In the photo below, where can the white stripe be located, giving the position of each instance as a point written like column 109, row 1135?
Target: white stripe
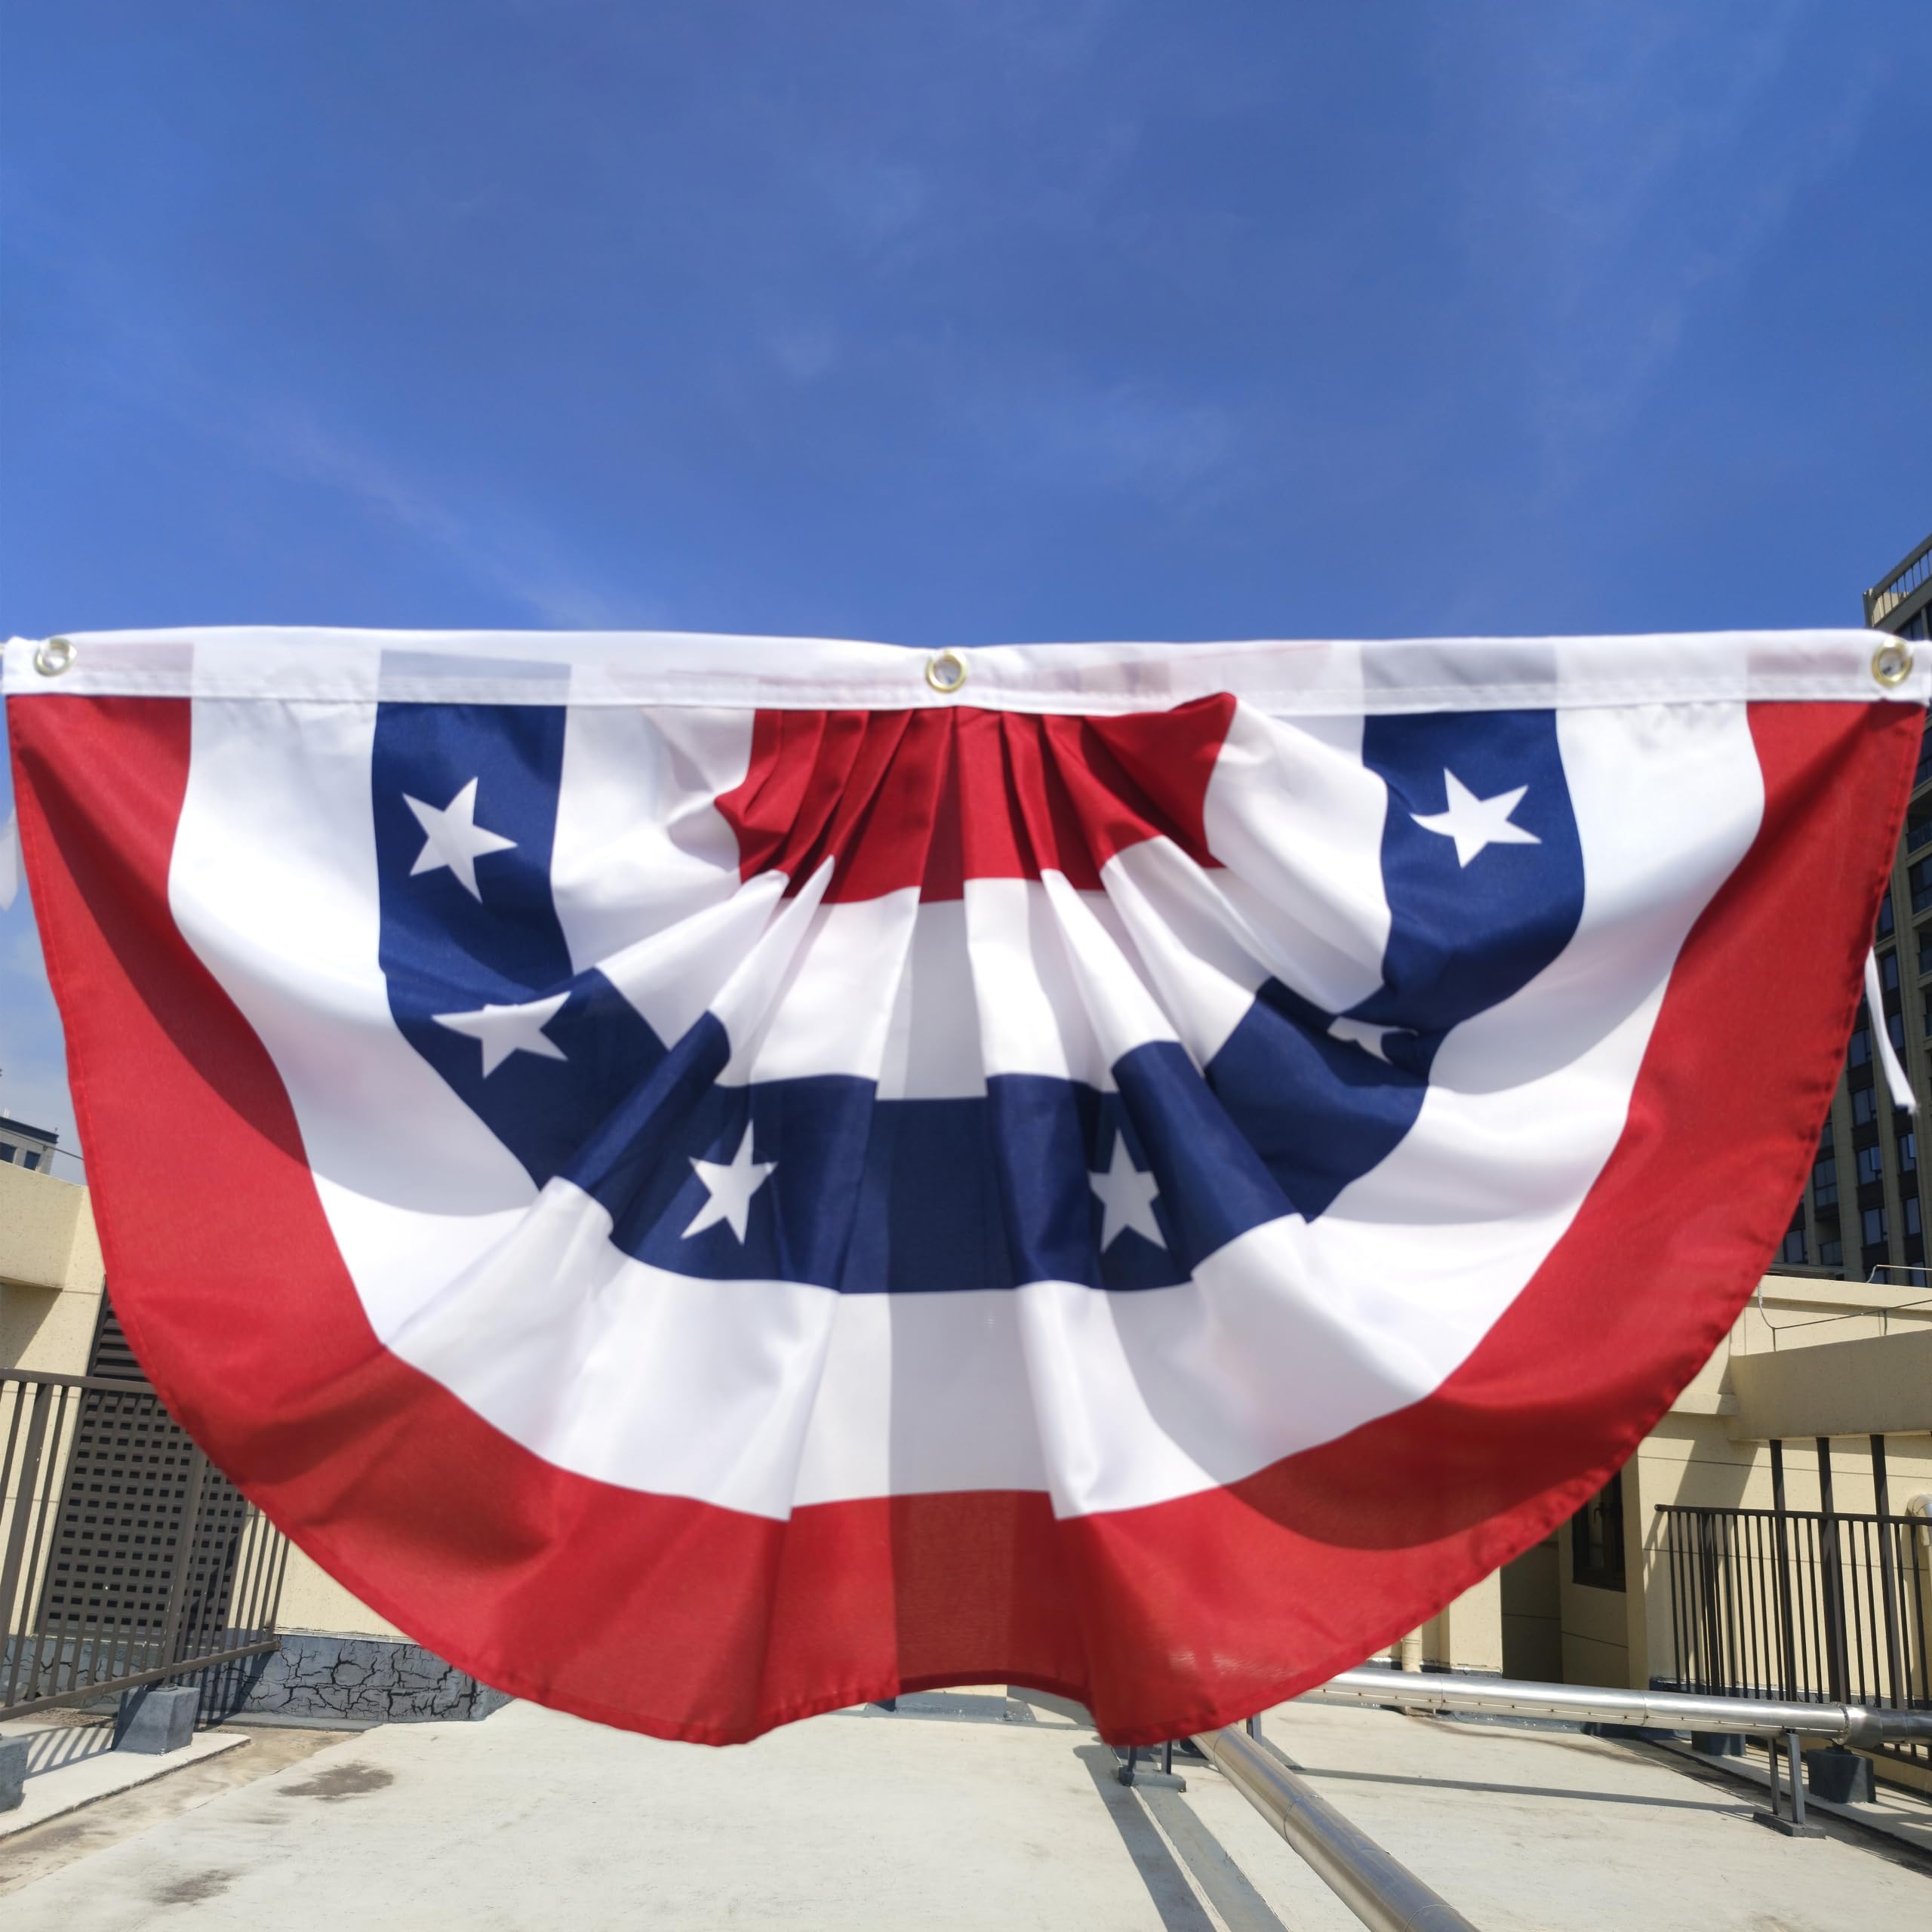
column 1306, row 678
column 640, row 843
column 1296, row 818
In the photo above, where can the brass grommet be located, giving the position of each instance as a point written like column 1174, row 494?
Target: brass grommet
column 1891, row 663
column 945, row 671
column 54, row 656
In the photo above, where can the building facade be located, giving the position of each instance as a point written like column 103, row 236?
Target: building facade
column 1864, row 1212
column 24, row 1146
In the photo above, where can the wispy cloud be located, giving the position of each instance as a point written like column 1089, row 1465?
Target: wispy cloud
column 1631, row 165
column 137, row 351
column 504, row 549
column 1133, row 437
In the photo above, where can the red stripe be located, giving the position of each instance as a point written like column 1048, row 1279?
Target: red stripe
column 931, row 798
column 689, row 1621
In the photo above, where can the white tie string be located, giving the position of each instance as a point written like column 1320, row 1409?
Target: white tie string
column 1895, row 1073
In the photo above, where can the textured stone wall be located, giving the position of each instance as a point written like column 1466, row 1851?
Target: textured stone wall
column 364, row 1679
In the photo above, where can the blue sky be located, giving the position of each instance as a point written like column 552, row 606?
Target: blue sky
column 954, row 322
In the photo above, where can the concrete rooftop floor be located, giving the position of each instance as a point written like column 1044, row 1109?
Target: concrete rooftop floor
column 533, row 1820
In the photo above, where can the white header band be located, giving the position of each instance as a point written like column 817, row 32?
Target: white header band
column 1312, row 678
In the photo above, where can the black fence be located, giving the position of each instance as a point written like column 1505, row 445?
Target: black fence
column 1820, row 1605
column 126, row 1557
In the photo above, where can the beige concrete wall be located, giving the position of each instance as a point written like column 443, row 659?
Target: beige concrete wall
column 1875, row 1385
column 1468, row 1634
column 46, row 1230
column 312, row 1600
column 51, row 1272
column 1531, row 1603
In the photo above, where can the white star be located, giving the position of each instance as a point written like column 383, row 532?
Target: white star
column 1127, row 1196
column 731, row 1189
column 504, row 1030
column 454, row 838
column 1476, row 822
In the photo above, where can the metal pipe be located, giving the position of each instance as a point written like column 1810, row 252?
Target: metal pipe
column 1384, row 1895
column 1642, row 1710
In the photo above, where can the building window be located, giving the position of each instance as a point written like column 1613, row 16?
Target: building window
column 1871, row 1164
column 1793, row 1246
column 8, row 1151
column 1895, row 1026
column 1885, row 904
column 1888, row 970
column 1861, row 1054
column 1831, row 1254
column 1825, row 1139
column 1910, row 1209
column 1908, row 1153
column 1864, row 1109
column 1874, row 1226
column 1824, row 1183
column 1918, row 878
column 1596, row 1539
column 31, row 1158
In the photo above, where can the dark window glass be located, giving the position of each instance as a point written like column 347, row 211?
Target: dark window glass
column 1895, row 1026
column 1863, row 1109
column 7, row 1150
column 31, row 1158
column 1908, row 1153
column 1793, row 1246
column 1831, row 1254
column 1825, row 1139
column 1861, row 1054
column 1824, row 1183
column 1871, row 1164
column 1874, row 1226
column 1918, row 881
column 1596, row 1539
column 1910, row 1210
column 1888, row 968
column 1885, row 904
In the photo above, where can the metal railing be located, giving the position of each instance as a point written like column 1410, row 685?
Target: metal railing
column 1812, row 1606
column 1632, row 1710
column 1783, row 1724
column 126, row 1558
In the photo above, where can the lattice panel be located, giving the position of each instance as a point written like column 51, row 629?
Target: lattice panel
column 121, row 1517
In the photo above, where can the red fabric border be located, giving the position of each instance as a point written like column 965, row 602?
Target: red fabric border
column 688, row 1621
